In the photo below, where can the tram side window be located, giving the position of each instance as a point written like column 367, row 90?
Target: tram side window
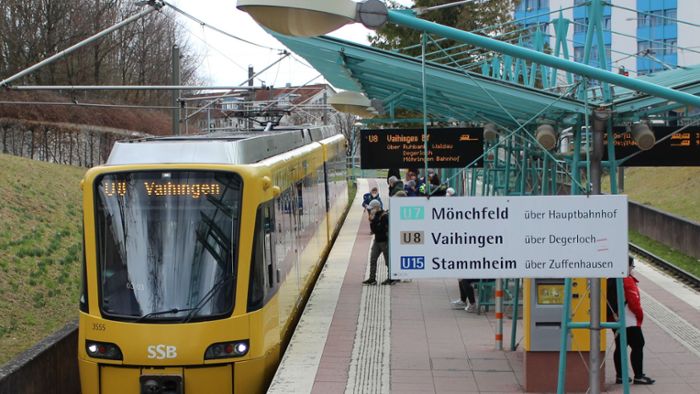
column 269, row 247
column 262, row 268
column 83, row 282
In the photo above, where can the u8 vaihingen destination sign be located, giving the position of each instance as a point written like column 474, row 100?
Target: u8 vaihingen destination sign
column 508, row 237
column 405, row 148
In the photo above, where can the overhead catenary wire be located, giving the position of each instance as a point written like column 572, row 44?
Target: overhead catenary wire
column 216, row 29
column 220, row 52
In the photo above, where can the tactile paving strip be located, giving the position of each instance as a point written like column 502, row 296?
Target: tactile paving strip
column 370, row 366
column 684, row 332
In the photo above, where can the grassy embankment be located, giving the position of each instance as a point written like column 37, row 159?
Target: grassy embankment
column 40, row 250
column 674, row 190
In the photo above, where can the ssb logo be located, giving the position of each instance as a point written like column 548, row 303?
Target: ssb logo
column 412, row 262
column 161, row 352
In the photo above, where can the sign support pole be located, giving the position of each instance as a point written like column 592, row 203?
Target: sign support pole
column 600, row 121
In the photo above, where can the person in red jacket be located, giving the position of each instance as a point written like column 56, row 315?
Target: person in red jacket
column 634, row 315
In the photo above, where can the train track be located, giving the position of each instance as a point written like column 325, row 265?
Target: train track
column 682, row 275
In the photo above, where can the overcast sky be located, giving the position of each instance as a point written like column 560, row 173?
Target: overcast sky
column 225, row 60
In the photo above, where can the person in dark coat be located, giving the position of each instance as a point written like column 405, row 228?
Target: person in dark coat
column 393, row 172
column 380, row 228
column 395, row 185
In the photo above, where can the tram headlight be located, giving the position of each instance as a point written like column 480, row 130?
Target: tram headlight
column 227, row 350
column 104, row 350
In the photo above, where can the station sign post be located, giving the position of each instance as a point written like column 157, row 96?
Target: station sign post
column 509, row 237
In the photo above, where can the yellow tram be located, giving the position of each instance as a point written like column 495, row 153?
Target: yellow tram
column 199, row 255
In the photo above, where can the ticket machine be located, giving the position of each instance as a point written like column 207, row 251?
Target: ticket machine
column 542, row 316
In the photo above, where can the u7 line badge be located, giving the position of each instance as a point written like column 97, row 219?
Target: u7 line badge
column 412, row 262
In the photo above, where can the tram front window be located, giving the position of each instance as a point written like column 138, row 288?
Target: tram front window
column 167, row 244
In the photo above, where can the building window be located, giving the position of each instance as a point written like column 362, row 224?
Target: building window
column 644, row 20
column 656, row 18
column 670, row 46
column 533, row 5
column 671, row 15
column 643, row 46
column 580, row 25
column 606, row 22
column 578, row 54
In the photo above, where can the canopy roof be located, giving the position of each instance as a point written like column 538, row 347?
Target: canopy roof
column 457, row 94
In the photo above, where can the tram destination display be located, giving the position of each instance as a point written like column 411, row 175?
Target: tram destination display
column 404, row 148
column 509, row 237
column 680, row 150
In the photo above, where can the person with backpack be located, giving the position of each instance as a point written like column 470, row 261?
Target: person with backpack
column 380, row 227
column 634, row 315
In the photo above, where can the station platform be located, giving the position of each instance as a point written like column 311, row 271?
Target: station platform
column 407, row 338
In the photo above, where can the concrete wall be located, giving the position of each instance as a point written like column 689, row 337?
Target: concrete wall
column 51, row 366
column 676, row 232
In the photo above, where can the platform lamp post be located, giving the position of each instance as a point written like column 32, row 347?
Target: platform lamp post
column 354, row 103
column 356, row 127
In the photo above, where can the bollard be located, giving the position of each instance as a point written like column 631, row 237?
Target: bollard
column 499, row 314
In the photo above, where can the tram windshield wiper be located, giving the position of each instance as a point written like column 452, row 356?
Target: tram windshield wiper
column 207, row 297
column 165, row 312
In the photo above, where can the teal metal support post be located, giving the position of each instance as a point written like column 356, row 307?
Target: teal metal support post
column 622, row 332
column 566, row 315
column 514, row 326
column 424, row 39
column 408, row 19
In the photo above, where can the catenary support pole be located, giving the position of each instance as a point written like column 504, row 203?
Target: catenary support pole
column 175, row 80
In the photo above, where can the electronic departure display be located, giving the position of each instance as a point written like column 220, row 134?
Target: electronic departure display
column 188, row 188
column 680, row 150
column 404, row 148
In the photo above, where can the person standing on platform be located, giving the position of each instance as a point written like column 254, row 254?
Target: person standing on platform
column 395, row 185
column 437, row 188
column 466, row 300
column 392, row 172
column 410, row 188
column 380, row 228
column 634, row 315
column 369, row 197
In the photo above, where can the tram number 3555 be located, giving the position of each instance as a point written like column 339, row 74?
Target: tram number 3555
column 412, row 262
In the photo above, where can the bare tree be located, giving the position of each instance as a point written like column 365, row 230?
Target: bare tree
column 32, row 30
